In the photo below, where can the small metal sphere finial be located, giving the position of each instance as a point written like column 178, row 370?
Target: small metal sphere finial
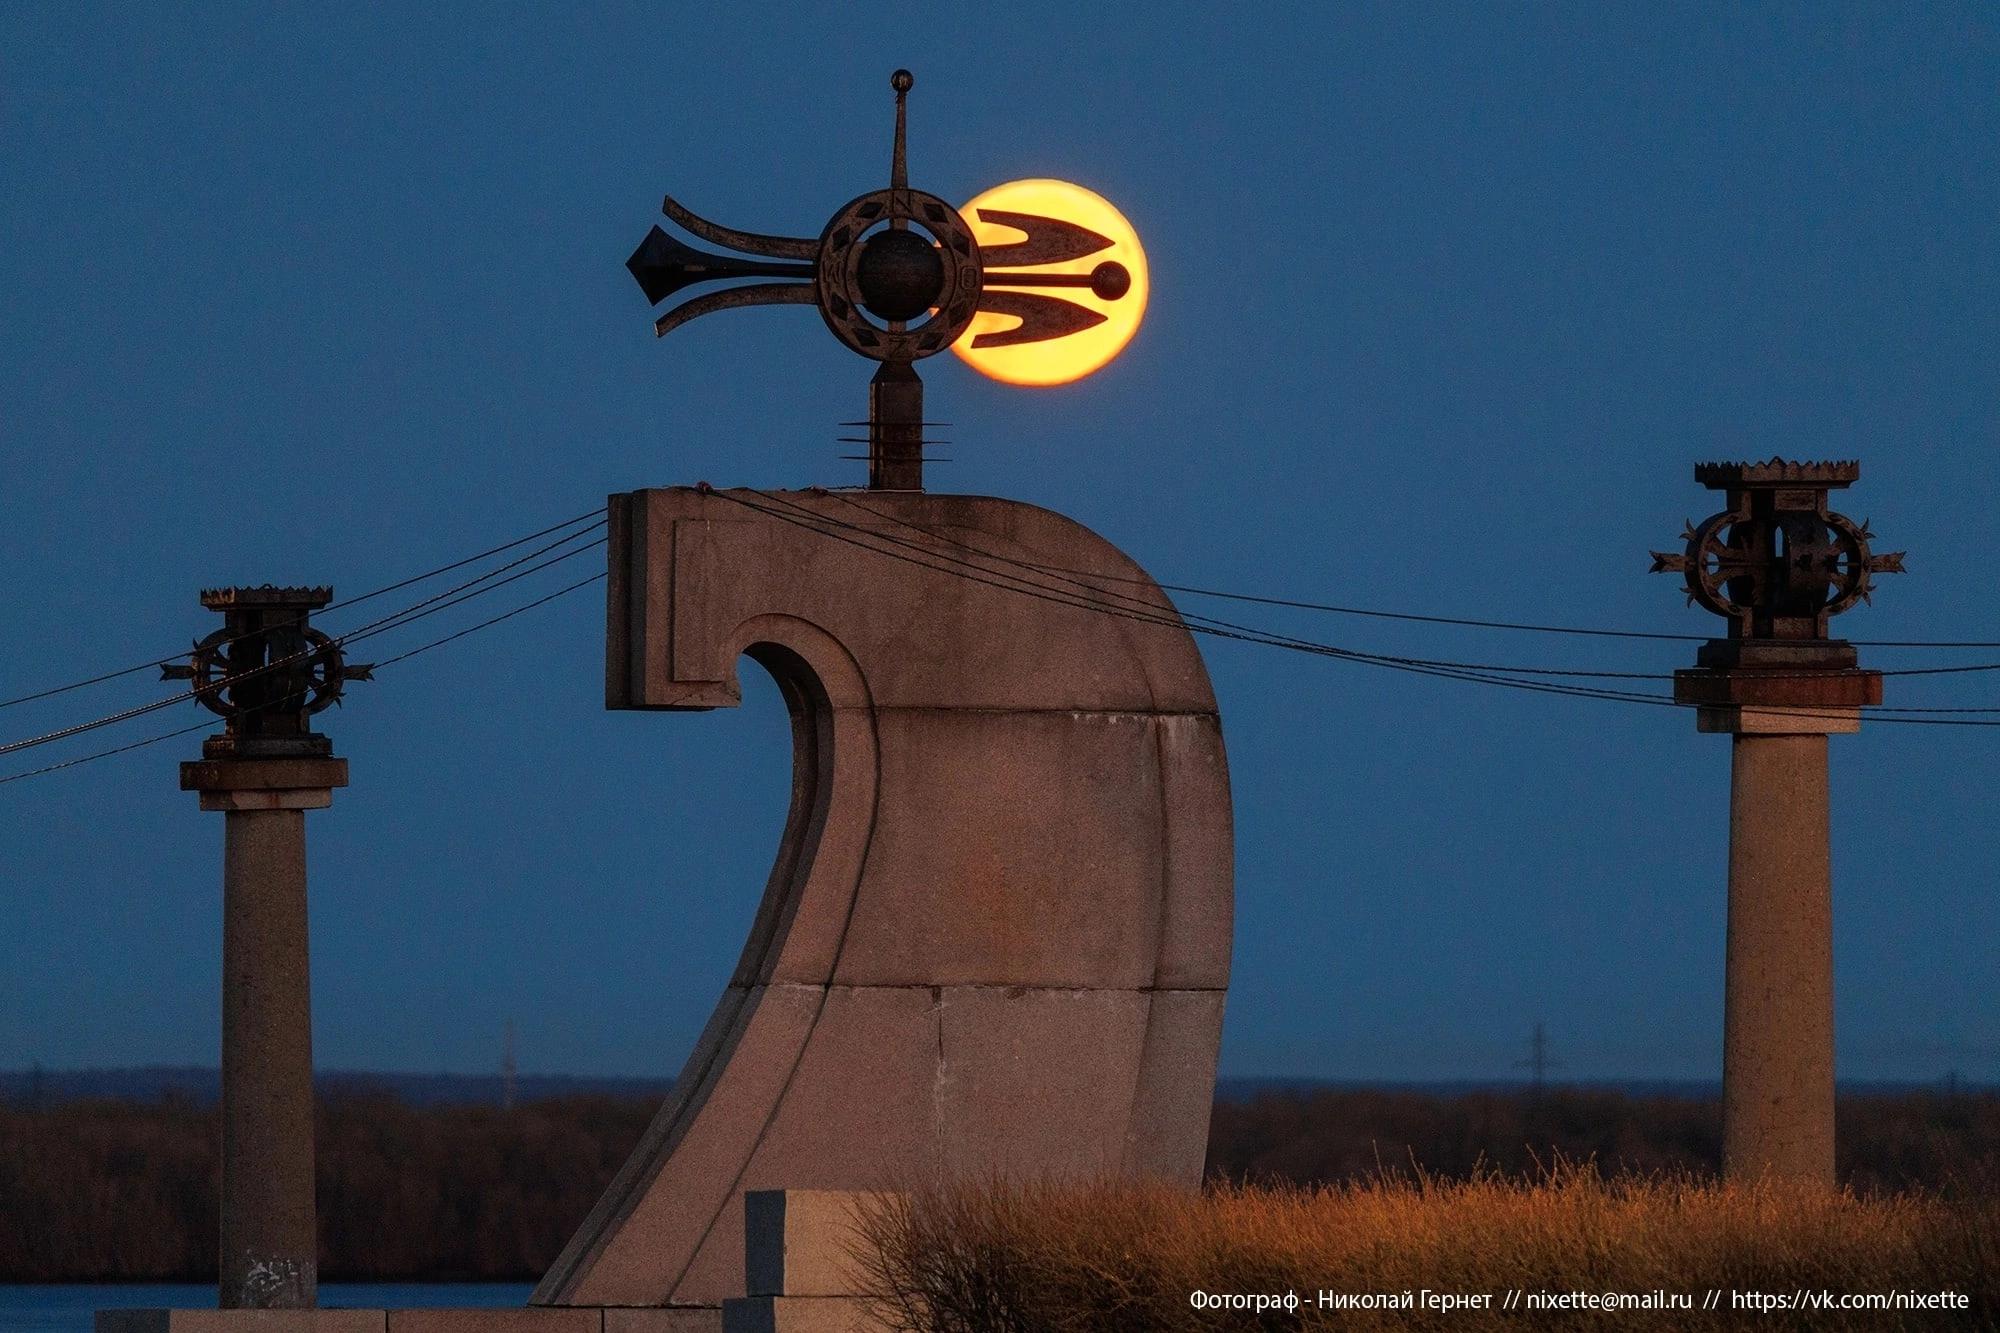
column 899, row 175
column 1110, row 280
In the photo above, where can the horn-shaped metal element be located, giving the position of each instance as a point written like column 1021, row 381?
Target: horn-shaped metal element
column 664, row 265
column 749, row 242
column 1042, row 318
column 1047, row 240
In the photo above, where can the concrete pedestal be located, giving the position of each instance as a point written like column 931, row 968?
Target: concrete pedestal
column 1778, row 701
column 805, row 1265
column 574, row 1319
column 269, row 1224
column 1777, row 1061
column 269, row 1254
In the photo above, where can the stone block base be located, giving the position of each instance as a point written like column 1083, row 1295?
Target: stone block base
column 241, row 1321
column 803, row 1314
column 534, row 1319
column 1770, row 720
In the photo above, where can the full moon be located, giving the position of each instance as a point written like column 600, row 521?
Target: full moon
column 1072, row 356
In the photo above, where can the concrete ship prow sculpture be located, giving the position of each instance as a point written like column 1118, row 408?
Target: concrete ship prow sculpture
column 996, row 938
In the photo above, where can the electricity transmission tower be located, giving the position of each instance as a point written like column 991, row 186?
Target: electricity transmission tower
column 507, row 1070
column 1538, row 1063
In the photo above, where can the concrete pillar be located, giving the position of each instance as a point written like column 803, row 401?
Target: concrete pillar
column 1778, row 564
column 269, row 1253
column 269, row 1223
column 1777, row 1061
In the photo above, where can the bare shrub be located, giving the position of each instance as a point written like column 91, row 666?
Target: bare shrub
column 1108, row 1257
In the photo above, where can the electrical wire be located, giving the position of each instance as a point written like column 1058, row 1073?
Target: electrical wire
column 1069, row 575
column 1376, row 613
column 474, row 629
column 1089, row 595
column 1167, row 617
column 1003, row 558
column 428, row 606
column 391, row 661
column 332, row 606
column 103, row 754
column 1168, row 607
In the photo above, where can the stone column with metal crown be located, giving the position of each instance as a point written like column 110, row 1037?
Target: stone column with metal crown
column 266, row 672
column 1777, row 564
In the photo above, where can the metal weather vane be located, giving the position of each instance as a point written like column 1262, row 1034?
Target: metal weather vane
column 898, row 275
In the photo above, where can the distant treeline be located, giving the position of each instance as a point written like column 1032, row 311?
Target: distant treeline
column 105, row 1191
column 36, row 1086
column 120, row 1191
column 1922, row 1140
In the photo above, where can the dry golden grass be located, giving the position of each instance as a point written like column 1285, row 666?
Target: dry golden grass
column 1053, row 1258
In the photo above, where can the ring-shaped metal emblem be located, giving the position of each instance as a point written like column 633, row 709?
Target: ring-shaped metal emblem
column 838, row 284
column 306, row 671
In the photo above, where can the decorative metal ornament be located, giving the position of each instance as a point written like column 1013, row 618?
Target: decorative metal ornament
column 895, row 275
column 898, row 275
column 1071, row 240
column 266, row 671
column 868, row 273
column 1778, row 563
column 303, row 671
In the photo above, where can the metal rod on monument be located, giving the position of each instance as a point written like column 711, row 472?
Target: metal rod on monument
column 266, row 672
column 1778, row 564
column 896, row 428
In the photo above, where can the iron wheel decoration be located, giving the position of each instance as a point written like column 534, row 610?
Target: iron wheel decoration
column 267, row 670
column 1778, row 562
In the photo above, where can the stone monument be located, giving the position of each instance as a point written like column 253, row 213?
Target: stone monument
column 996, row 938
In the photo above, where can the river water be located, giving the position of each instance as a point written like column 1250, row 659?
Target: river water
column 68, row 1309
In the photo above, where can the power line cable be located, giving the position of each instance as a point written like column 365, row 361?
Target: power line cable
column 395, row 620
column 474, row 629
column 104, row 754
column 400, row 657
column 1377, row 613
column 597, row 513
column 333, row 606
column 1168, row 607
column 414, row 613
column 1169, row 618
column 1460, row 671
column 1092, row 592
column 1079, row 582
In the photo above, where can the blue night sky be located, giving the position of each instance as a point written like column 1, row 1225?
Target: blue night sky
column 1446, row 302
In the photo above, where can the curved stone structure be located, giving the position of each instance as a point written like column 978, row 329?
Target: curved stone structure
column 996, row 938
